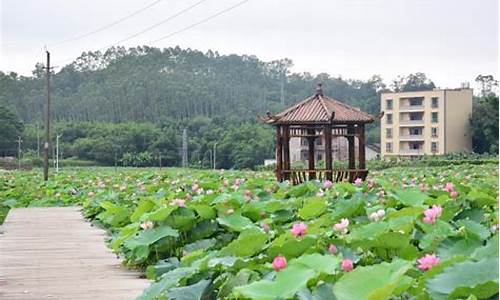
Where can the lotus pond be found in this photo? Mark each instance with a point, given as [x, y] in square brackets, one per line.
[419, 233]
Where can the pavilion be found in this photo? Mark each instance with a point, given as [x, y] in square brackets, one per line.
[315, 117]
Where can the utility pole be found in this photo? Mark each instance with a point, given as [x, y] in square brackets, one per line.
[57, 152]
[19, 153]
[184, 148]
[215, 154]
[47, 121]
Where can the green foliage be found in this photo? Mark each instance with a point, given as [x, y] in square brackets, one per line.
[221, 241]
[10, 129]
[371, 282]
[484, 125]
[467, 278]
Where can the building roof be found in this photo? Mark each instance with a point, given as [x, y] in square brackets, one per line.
[319, 109]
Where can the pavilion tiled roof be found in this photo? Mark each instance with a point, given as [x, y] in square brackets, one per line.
[319, 109]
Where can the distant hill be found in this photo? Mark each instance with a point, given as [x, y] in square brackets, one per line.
[151, 84]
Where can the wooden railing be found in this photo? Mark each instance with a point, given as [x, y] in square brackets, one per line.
[297, 176]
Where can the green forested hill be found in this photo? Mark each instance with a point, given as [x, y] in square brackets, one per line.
[150, 84]
[133, 102]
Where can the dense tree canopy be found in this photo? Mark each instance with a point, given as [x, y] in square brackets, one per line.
[10, 129]
[484, 125]
[130, 105]
[154, 85]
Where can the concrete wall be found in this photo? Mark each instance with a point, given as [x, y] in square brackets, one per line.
[458, 110]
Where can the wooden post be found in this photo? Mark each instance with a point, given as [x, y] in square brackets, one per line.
[350, 139]
[46, 144]
[311, 139]
[286, 151]
[328, 152]
[279, 154]
[361, 146]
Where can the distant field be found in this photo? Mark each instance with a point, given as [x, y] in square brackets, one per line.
[430, 232]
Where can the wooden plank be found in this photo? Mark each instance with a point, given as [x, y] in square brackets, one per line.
[52, 253]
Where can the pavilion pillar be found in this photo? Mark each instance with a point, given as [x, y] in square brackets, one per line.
[311, 138]
[328, 152]
[286, 152]
[361, 146]
[279, 154]
[350, 140]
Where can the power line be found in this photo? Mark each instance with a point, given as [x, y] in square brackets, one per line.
[107, 26]
[200, 22]
[171, 17]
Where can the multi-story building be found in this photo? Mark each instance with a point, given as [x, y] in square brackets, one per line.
[426, 122]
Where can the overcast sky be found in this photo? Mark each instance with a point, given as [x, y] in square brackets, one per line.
[452, 41]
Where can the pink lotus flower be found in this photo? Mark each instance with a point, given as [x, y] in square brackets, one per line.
[347, 265]
[179, 202]
[299, 229]
[230, 211]
[147, 225]
[427, 262]
[376, 215]
[332, 249]
[454, 194]
[449, 187]
[358, 182]
[91, 194]
[432, 214]
[266, 227]
[342, 226]
[381, 194]
[321, 193]
[327, 184]
[279, 263]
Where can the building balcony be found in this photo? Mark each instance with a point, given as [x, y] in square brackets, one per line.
[411, 137]
[411, 151]
[409, 123]
[406, 108]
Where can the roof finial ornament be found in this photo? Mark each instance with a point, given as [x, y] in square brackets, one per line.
[319, 90]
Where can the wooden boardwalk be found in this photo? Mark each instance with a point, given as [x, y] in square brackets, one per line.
[53, 253]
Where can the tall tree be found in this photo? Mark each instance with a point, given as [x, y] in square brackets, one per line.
[488, 85]
[484, 125]
[412, 82]
[10, 129]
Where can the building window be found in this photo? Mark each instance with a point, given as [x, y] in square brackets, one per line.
[388, 104]
[389, 118]
[415, 131]
[304, 142]
[388, 132]
[435, 102]
[416, 116]
[434, 132]
[388, 147]
[319, 157]
[434, 117]
[415, 146]
[416, 101]
[434, 147]
[319, 141]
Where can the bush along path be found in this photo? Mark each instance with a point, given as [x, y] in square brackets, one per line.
[424, 233]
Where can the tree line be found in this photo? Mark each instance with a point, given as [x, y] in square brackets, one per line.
[130, 105]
